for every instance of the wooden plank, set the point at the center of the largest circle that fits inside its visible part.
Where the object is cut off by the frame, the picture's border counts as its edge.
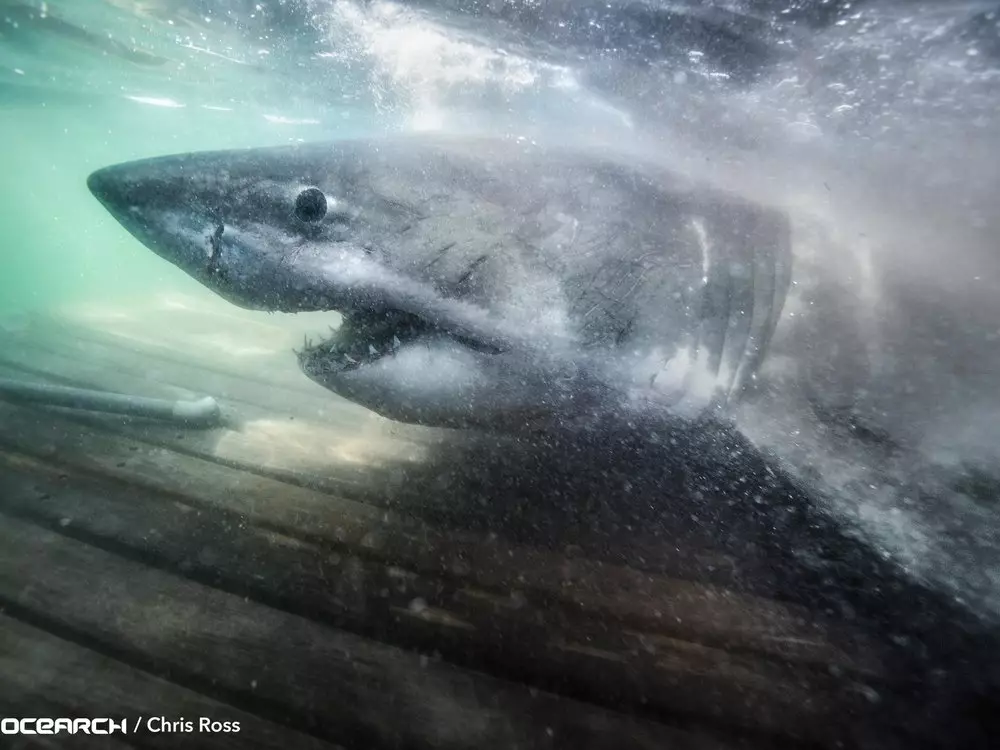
(344, 688)
(68, 351)
(42, 674)
(646, 602)
(77, 361)
(554, 649)
(332, 456)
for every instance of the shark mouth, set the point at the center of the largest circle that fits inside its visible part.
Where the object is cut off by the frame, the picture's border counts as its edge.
(366, 337)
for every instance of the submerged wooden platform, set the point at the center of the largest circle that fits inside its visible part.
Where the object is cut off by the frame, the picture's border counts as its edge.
(301, 570)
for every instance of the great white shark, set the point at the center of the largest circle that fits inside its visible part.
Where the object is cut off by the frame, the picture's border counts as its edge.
(502, 285)
(483, 282)
(507, 285)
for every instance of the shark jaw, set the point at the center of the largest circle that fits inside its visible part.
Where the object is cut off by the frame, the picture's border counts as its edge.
(366, 337)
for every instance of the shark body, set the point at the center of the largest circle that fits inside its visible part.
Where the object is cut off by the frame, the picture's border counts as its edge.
(483, 282)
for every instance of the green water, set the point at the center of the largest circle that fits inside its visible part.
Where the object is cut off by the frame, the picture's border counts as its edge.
(70, 104)
(60, 245)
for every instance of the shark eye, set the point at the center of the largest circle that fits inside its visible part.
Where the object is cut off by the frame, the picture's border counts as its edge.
(310, 205)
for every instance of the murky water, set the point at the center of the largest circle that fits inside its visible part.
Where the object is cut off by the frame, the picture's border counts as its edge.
(877, 130)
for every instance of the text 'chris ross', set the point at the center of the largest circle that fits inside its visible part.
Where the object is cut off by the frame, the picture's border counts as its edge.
(153, 724)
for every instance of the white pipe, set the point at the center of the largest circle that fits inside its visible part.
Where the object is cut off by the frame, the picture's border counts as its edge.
(203, 411)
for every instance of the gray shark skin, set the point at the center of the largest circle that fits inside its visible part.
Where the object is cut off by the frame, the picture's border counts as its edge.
(490, 283)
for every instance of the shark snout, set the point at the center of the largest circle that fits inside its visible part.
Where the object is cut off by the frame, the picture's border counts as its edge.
(106, 187)
(122, 188)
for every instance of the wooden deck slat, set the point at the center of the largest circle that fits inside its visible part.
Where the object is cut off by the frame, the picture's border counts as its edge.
(41, 669)
(465, 625)
(66, 352)
(349, 689)
(331, 456)
(647, 602)
(88, 354)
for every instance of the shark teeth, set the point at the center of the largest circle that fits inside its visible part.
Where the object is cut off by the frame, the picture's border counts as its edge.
(363, 338)
(334, 352)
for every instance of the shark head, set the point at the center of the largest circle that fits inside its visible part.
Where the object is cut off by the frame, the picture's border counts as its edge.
(487, 283)
(250, 225)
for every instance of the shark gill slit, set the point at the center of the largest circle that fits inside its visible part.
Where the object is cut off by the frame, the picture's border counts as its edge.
(215, 242)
